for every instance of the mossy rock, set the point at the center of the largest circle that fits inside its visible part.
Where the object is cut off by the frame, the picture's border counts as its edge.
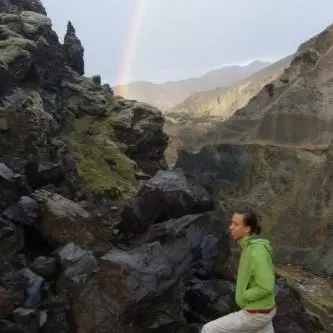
(16, 56)
(101, 164)
(81, 96)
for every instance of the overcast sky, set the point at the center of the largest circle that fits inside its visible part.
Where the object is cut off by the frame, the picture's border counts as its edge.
(184, 38)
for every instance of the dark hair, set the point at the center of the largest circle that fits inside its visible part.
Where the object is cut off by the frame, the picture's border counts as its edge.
(251, 220)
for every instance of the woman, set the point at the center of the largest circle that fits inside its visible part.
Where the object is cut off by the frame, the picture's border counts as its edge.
(255, 286)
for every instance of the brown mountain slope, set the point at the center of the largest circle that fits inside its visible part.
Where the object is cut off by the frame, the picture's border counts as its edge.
(296, 110)
(188, 121)
(275, 155)
(168, 94)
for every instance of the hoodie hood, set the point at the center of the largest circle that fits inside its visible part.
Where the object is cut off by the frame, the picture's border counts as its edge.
(256, 240)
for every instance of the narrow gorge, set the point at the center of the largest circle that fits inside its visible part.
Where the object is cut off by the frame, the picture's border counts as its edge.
(97, 235)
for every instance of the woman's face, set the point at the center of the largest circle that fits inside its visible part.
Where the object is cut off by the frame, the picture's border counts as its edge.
(237, 227)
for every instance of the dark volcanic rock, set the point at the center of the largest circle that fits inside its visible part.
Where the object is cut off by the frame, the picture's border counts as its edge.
(62, 221)
(58, 317)
(291, 316)
(28, 319)
(77, 265)
(198, 244)
(8, 327)
(7, 303)
(11, 240)
(45, 266)
(73, 50)
(140, 127)
(39, 174)
(25, 286)
(167, 195)
(10, 186)
(34, 288)
(24, 212)
(132, 292)
(206, 300)
(142, 289)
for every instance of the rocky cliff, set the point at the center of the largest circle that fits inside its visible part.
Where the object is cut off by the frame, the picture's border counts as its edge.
(94, 234)
(275, 155)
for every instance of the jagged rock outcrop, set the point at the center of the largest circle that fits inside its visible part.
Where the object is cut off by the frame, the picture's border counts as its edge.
(74, 51)
(275, 154)
(49, 114)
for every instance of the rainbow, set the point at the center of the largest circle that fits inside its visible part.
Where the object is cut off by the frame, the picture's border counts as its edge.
(130, 45)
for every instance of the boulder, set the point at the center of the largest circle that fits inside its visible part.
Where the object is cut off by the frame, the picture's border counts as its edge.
(205, 238)
(25, 286)
(62, 221)
(169, 194)
(28, 319)
(47, 267)
(143, 287)
(77, 265)
(24, 212)
(11, 186)
(132, 291)
(140, 127)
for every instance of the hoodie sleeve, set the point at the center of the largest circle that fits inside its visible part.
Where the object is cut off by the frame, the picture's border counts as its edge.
(263, 273)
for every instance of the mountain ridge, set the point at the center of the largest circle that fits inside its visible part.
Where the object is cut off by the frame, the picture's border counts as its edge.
(165, 95)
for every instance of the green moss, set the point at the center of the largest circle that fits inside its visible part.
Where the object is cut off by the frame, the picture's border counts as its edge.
(101, 164)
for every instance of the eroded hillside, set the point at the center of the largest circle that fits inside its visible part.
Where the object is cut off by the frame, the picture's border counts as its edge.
(188, 122)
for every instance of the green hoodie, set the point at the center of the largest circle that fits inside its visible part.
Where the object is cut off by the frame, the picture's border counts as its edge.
(255, 288)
